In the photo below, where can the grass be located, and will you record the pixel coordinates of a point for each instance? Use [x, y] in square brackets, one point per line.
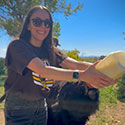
[2, 80]
[111, 94]
[1, 93]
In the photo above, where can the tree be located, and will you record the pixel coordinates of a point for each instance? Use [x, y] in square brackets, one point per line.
[12, 12]
[73, 54]
[102, 57]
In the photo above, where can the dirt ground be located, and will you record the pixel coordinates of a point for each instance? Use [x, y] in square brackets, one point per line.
[116, 115]
[2, 118]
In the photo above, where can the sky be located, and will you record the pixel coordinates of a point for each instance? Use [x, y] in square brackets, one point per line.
[95, 30]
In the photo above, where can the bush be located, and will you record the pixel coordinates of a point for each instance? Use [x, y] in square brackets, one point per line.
[2, 80]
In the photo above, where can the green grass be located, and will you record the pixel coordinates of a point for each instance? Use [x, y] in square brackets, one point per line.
[1, 93]
[2, 80]
[111, 94]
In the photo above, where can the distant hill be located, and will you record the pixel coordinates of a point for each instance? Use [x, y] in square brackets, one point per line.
[89, 56]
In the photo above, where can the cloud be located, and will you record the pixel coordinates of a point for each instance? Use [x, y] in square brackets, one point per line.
[2, 52]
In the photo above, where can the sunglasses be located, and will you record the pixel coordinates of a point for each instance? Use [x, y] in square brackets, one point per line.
[38, 22]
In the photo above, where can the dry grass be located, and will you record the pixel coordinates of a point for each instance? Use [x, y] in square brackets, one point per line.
[110, 115]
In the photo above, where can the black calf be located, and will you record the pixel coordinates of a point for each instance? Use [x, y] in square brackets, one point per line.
[72, 104]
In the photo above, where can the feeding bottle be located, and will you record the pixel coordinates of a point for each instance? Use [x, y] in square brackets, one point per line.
[113, 65]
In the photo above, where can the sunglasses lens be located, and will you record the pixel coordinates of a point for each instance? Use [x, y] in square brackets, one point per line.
[38, 22]
[47, 23]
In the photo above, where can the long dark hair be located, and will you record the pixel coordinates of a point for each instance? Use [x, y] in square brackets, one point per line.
[47, 43]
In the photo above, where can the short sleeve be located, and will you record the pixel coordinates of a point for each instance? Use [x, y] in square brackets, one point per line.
[60, 56]
[19, 54]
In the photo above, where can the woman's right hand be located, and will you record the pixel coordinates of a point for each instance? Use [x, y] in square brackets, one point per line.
[95, 78]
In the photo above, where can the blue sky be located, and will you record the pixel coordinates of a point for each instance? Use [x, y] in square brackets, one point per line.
[95, 30]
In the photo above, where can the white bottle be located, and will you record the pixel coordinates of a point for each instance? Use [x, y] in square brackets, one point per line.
[113, 65]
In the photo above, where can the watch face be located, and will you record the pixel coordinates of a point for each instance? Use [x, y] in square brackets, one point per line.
[76, 75]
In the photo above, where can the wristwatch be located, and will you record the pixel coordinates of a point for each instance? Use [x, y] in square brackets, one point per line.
[76, 75]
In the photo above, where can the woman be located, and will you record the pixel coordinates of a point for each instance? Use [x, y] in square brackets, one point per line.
[32, 68]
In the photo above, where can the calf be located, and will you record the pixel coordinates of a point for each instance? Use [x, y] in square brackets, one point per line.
[72, 104]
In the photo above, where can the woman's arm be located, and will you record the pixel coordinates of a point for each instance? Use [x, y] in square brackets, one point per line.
[90, 75]
[50, 72]
[74, 64]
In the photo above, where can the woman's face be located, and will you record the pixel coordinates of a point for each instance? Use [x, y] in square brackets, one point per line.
[39, 26]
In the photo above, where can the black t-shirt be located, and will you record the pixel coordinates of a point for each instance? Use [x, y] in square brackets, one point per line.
[21, 80]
